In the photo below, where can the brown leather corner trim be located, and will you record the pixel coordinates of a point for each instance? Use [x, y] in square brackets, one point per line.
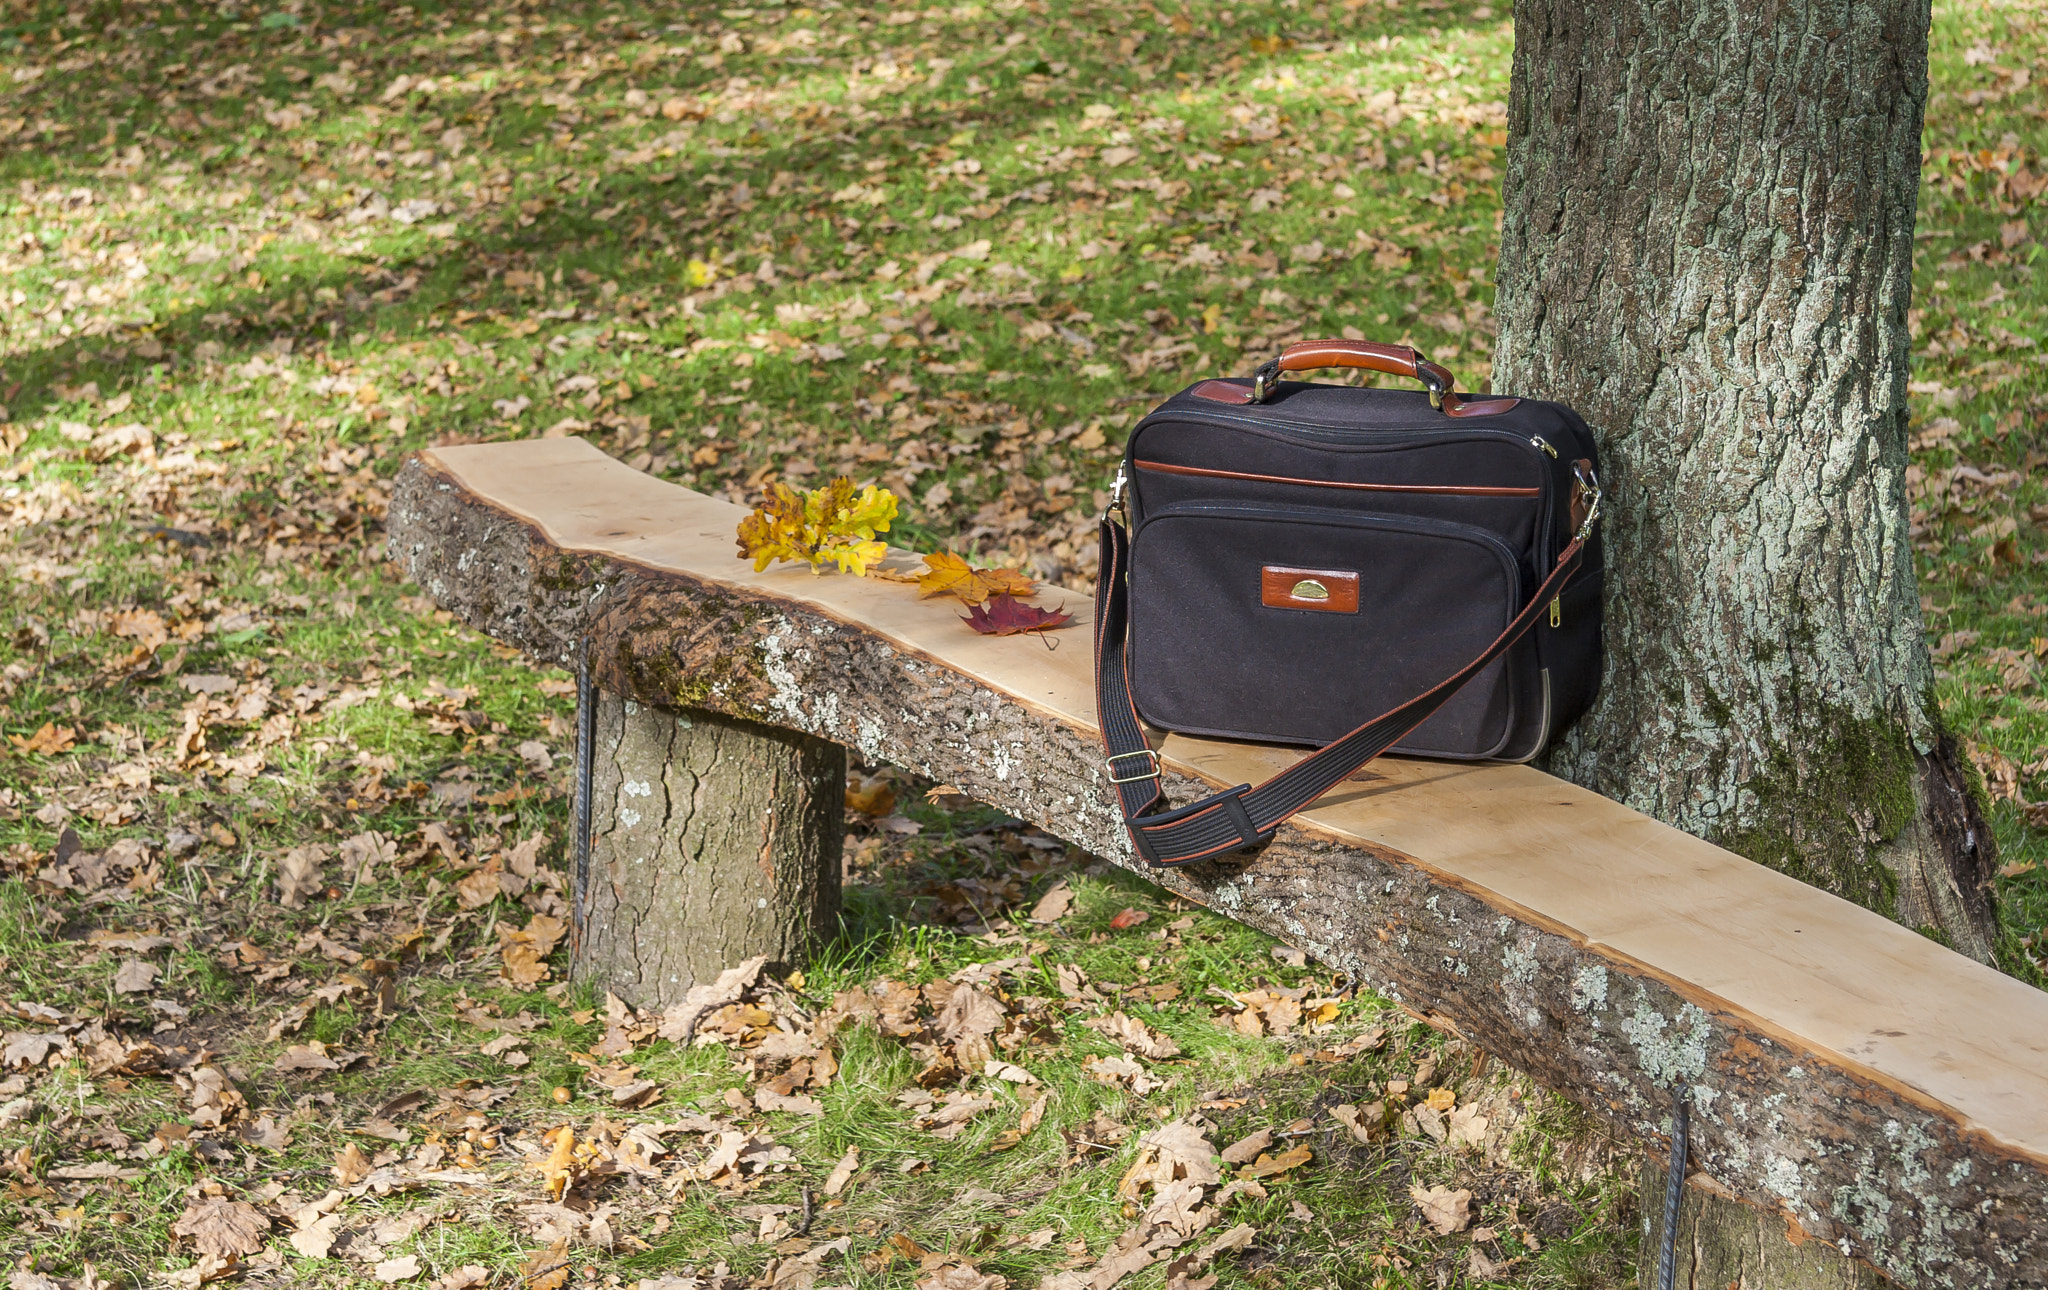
[1443, 490]
[1328, 591]
[1464, 405]
[1223, 392]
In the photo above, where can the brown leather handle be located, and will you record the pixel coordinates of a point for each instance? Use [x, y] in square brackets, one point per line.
[1395, 360]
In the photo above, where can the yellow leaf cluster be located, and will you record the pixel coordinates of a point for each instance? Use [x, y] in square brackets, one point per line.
[833, 523]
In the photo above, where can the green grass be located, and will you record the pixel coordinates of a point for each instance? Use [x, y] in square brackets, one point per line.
[979, 274]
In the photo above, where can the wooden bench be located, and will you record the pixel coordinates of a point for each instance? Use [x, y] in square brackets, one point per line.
[1883, 1093]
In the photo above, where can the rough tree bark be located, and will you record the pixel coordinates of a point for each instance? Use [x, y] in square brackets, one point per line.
[713, 839]
[1707, 249]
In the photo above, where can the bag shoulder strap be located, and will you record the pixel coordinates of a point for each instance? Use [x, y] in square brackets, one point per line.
[1246, 816]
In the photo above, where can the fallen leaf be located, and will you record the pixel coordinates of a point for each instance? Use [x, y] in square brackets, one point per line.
[306, 1057]
[1481, 1268]
[949, 575]
[221, 1227]
[1440, 1099]
[1009, 616]
[679, 1023]
[1054, 904]
[523, 951]
[554, 1170]
[135, 976]
[1363, 1121]
[298, 875]
[969, 1013]
[1446, 1210]
[315, 1238]
[1135, 1036]
[1467, 1127]
[351, 1166]
[466, 1277]
[842, 1173]
[267, 1133]
[403, 1268]
[1273, 1166]
[49, 740]
[1248, 1148]
[1128, 918]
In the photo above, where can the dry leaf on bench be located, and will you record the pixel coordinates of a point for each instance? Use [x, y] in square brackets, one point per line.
[1446, 1210]
[222, 1227]
[1009, 616]
[949, 575]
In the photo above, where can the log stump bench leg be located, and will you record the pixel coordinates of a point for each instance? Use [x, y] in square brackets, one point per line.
[1726, 1243]
[712, 840]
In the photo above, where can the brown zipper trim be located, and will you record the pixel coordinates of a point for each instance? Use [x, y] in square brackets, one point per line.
[1454, 490]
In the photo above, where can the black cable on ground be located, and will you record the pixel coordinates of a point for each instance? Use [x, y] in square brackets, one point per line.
[586, 758]
[1674, 1186]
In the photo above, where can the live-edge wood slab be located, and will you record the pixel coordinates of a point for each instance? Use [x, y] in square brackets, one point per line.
[1886, 1094]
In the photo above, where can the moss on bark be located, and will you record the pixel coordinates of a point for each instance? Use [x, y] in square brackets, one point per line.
[1823, 813]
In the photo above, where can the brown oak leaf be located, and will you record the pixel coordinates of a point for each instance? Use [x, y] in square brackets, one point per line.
[221, 1227]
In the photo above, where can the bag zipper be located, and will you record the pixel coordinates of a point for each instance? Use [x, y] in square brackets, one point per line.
[1446, 490]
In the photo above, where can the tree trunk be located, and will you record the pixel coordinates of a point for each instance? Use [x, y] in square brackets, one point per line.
[712, 840]
[1725, 1245]
[1707, 250]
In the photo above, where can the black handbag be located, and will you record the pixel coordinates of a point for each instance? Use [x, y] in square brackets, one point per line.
[1296, 557]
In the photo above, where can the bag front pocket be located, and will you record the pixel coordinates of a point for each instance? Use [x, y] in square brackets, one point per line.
[1297, 624]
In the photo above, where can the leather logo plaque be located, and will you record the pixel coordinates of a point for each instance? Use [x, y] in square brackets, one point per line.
[1330, 591]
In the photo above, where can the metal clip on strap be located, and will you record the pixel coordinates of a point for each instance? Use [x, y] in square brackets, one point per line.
[1109, 764]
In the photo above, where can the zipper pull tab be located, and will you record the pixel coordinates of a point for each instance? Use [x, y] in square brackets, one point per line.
[1544, 444]
[1556, 611]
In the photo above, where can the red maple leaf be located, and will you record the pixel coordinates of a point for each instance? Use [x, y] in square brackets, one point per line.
[1007, 616]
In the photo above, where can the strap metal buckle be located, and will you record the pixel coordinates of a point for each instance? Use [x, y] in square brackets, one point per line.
[1588, 486]
[1116, 494]
[1264, 379]
[1109, 764]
